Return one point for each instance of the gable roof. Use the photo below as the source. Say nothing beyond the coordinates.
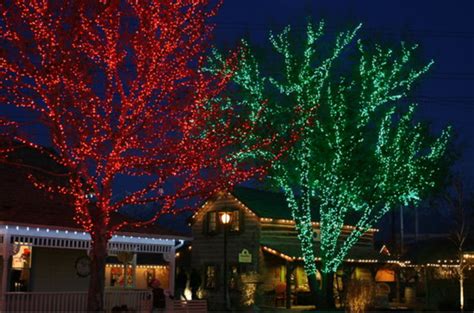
(269, 204)
(266, 204)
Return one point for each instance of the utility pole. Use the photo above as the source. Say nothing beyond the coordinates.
(416, 226)
(225, 220)
(402, 232)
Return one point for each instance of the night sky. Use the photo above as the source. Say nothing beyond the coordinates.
(444, 31)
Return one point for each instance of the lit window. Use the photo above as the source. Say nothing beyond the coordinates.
(211, 227)
(211, 277)
(235, 222)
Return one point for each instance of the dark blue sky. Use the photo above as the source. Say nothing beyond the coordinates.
(444, 30)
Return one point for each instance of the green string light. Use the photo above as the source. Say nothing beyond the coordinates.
(359, 151)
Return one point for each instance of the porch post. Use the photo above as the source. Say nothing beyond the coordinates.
(289, 270)
(134, 270)
(171, 258)
(6, 251)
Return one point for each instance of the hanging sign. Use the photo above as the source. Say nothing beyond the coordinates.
(245, 256)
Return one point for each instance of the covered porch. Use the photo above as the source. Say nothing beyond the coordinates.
(46, 268)
(285, 283)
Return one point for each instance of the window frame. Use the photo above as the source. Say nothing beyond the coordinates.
(207, 223)
(219, 227)
(216, 276)
(240, 225)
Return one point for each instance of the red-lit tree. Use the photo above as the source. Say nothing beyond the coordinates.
(7, 133)
(118, 87)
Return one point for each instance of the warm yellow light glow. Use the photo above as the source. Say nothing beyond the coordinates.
(385, 275)
(225, 218)
(468, 255)
(138, 266)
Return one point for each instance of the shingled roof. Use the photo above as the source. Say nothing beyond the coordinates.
(292, 248)
(269, 204)
(266, 204)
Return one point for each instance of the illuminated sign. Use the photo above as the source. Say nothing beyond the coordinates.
(22, 259)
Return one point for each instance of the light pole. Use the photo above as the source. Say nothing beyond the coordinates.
(225, 220)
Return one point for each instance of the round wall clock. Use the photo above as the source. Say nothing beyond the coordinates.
(83, 266)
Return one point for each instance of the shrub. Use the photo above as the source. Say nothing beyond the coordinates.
(359, 296)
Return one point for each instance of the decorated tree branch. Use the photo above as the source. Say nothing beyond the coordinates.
(120, 89)
(362, 153)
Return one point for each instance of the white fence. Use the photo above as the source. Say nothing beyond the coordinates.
(136, 300)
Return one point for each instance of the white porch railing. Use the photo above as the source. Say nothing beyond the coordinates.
(138, 300)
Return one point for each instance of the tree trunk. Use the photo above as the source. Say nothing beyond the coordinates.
(98, 255)
(346, 278)
(313, 288)
(327, 291)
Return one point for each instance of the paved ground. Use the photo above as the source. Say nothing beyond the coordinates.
(294, 309)
(307, 309)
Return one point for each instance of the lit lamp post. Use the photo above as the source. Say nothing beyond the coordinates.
(225, 220)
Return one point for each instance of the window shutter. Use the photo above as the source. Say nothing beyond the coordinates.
(205, 223)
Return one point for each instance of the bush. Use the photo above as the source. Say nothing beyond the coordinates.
(359, 296)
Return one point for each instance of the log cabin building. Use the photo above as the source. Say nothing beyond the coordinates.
(262, 246)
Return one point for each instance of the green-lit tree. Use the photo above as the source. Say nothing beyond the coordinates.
(360, 151)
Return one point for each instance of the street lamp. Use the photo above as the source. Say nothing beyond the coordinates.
(225, 220)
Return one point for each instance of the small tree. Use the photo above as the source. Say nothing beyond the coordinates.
(461, 208)
(119, 87)
(361, 154)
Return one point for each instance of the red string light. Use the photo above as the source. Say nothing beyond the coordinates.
(118, 86)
